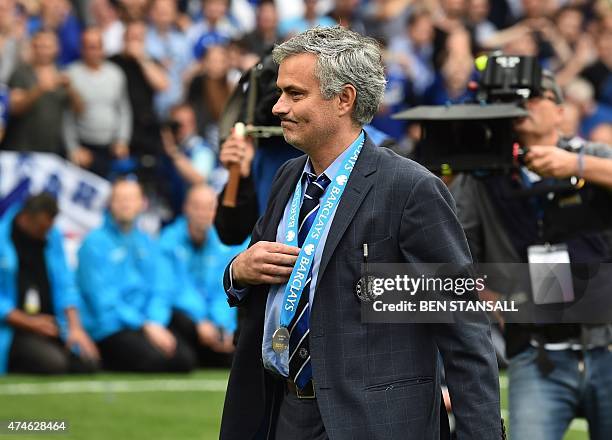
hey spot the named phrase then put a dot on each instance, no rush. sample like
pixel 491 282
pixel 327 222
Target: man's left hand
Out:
pixel 87 349
pixel 551 161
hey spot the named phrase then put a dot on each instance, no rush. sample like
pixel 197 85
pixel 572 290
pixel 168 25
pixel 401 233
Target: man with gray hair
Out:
pixel 306 366
pixel 592 113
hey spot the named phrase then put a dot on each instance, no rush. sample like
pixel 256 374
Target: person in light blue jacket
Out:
pixel 40 330
pixel 196 258
pixel 124 286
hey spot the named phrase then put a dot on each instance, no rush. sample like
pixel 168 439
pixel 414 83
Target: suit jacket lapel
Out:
pixel 357 188
pixel 282 197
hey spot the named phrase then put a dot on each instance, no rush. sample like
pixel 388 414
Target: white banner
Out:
pixel 82 196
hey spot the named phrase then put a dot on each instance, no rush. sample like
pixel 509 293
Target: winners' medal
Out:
pixel 280 340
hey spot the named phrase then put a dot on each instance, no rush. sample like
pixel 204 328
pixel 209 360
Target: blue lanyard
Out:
pixel 331 197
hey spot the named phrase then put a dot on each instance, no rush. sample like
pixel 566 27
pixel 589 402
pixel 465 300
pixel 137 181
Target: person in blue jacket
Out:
pixel 196 258
pixel 124 286
pixel 40 330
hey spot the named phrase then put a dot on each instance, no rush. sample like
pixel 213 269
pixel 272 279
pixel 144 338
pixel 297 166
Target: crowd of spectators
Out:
pixel 96 80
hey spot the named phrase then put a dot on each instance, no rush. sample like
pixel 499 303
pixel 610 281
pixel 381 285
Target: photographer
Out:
pixel 192 160
pixel 551 366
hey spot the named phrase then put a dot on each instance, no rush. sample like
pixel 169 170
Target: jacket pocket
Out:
pixel 399 384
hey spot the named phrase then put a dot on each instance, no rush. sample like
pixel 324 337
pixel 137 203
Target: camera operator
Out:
pixel 556 372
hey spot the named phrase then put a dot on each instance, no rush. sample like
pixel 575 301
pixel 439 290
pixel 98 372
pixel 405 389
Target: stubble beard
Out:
pixel 294 140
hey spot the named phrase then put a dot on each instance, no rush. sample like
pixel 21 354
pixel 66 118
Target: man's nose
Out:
pixel 281 107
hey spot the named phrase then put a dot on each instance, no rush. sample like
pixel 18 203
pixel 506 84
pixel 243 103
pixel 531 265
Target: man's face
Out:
pixel 134 9
pixel 185 119
pixel 101 11
pixel 346 6
pixel 478 10
pixel 216 62
pixel 7 10
pixel 534 8
pixel 544 118
pixel 422 31
pixel 454 8
pixel 44 48
pixel 127 202
pixel 135 33
pixel 200 208
pixel 306 117
pixel 310 6
pixel 163 14
pixel 134 39
pixel 92 49
pixel 38 225
pixel 214 10
pixel 569 24
pixel 267 18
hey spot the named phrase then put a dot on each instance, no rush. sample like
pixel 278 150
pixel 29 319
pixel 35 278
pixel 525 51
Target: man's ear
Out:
pixel 346 99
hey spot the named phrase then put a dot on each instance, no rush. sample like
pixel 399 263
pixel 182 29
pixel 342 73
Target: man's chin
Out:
pixel 522 126
pixel 292 140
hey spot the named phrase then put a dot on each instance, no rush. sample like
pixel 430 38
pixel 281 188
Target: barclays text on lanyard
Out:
pixel 299 275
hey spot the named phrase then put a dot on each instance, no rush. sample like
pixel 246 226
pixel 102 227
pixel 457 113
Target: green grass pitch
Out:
pixel 132 406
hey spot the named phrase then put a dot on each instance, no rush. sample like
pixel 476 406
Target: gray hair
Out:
pixel 343 57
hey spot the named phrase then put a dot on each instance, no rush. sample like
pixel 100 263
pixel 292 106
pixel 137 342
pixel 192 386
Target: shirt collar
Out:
pixel 332 170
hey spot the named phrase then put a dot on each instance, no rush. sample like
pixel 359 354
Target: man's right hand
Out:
pixel 265 263
pixel 44 325
pixel 160 337
pixel 41 324
pixel 48 79
pixel 237 150
pixel 82 157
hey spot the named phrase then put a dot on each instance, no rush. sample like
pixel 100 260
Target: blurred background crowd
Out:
pixel 137 88
pixel 119 86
